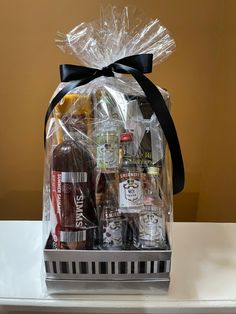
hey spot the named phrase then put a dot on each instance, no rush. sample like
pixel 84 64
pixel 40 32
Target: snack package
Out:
pixel 110 141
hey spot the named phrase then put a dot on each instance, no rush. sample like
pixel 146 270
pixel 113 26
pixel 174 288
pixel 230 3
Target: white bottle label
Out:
pixel 151 226
pixel 130 190
pixel 107 156
pixel 112 233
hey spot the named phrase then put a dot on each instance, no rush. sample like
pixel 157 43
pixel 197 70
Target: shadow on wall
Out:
pixel 27 205
pixel 21 205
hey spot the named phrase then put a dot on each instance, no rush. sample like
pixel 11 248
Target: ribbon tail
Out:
pixel 158 106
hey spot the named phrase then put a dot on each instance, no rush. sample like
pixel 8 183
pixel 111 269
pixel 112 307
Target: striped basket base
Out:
pixel 111 272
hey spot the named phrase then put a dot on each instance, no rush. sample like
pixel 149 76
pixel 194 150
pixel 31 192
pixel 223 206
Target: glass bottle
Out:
pixel 112 228
pixel 106 188
pixel 73 196
pixel 152 233
pixel 145 149
pixel 107 140
pixel 130 189
pixel 130 186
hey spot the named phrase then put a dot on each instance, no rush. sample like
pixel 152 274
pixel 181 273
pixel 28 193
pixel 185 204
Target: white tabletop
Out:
pixel 203 275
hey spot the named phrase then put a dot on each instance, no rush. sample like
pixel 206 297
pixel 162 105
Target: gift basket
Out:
pixel 112 160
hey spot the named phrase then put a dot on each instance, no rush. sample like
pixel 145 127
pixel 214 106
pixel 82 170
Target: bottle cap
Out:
pixel 126 137
pixel 153 170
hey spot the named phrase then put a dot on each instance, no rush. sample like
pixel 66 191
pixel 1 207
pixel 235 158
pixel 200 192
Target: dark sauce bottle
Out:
pixel 73 196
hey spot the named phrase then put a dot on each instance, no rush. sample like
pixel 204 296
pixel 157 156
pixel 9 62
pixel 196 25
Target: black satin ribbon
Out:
pixel 135 65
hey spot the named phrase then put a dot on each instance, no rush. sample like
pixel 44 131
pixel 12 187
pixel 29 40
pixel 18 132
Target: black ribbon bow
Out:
pixel 135 65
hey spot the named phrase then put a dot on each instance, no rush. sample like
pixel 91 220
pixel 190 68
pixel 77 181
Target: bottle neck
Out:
pixel 128 149
pixel 109 210
pixel 151 191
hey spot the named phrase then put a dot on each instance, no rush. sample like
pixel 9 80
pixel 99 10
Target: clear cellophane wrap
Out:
pixel 107 182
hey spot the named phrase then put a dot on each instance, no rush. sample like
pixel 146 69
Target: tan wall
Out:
pixel 199 75
pixel 217 201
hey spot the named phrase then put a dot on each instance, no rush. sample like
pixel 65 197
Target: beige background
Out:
pixel 200 76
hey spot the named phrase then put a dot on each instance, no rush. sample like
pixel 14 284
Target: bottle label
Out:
pixel 68 201
pixel 107 156
pixel 130 190
pixel 112 233
pixel 150 228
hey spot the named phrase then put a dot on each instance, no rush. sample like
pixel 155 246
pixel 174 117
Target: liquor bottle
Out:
pixel 145 149
pixel 106 189
pixel 73 196
pixel 130 189
pixel 107 140
pixel 112 228
pixel 152 217
pixel 105 106
pixel 152 145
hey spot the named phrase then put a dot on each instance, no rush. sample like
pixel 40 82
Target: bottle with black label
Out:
pixel 73 216
pixel 151 149
pixel 145 149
